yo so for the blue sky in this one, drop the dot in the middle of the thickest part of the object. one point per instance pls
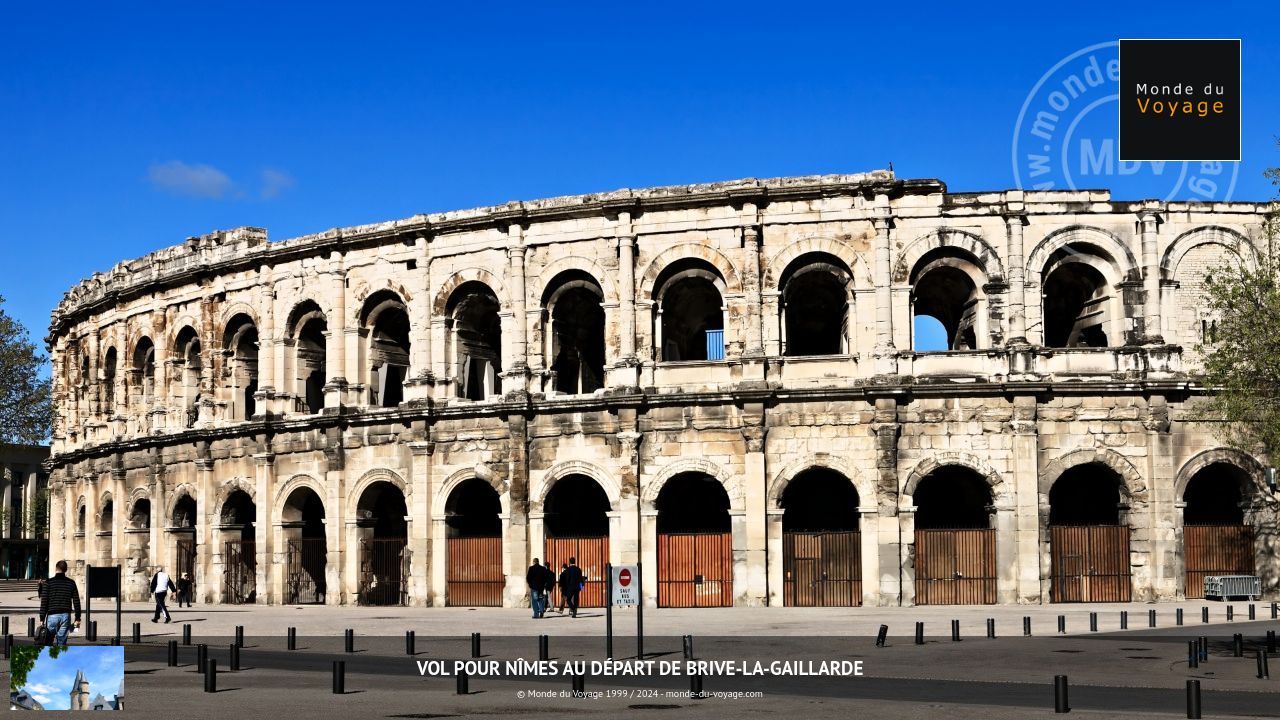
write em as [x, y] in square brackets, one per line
[125, 128]
[50, 680]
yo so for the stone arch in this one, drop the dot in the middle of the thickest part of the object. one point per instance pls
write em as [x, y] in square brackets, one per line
[1205, 235]
[560, 470]
[286, 489]
[458, 477]
[731, 483]
[866, 489]
[1001, 491]
[136, 495]
[465, 275]
[239, 307]
[363, 291]
[572, 262]
[1121, 255]
[301, 309]
[227, 488]
[982, 251]
[706, 253]
[176, 329]
[1132, 487]
[375, 475]
[816, 244]
[171, 503]
[1242, 460]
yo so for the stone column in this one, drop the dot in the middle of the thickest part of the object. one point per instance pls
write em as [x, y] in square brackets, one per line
[628, 540]
[1006, 524]
[627, 292]
[270, 357]
[517, 537]
[421, 556]
[751, 286]
[341, 569]
[338, 346]
[892, 535]
[869, 528]
[886, 360]
[57, 519]
[418, 384]
[517, 366]
[208, 555]
[1163, 519]
[158, 539]
[269, 578]
[6, 501]
[756, 480]
[91, 551]
[906, 554]
[773, 556]
[1149, 217]
[1016, 305]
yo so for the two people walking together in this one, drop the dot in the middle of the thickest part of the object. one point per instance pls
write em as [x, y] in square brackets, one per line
[542, 580]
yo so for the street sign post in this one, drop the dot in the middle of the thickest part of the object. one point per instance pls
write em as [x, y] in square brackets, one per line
[102, 582]
[625, 588]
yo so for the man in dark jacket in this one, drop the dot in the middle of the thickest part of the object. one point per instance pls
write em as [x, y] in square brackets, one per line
[537, 581]
[571, 582]
[60, 599]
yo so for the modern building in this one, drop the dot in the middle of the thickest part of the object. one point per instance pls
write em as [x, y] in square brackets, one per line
[24, 512]
[727, 382]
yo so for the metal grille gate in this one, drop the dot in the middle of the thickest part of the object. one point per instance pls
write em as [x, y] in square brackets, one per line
[305, 581]
[1090, 563]
[239, 570]
[185, 562]
[822, 569]
[956, 567]
[695, 570]
[474, 576]
[592, 553]
[384, 571]
[1216, 550]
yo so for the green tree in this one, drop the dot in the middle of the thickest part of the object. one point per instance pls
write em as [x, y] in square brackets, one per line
[23, 658]
[1242, 352]
[26, 410]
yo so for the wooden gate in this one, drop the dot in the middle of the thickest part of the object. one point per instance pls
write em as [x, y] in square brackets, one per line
[1090, 563]
[695, 570]
[185, 560]
[305, 581]
[956, 567]
[822, 569]
[474, 576]
[239, 571]
[1216, 550]
[384, 571]
[592, 553]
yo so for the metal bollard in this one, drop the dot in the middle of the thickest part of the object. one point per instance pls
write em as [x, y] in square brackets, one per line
[544, 647]
[1179, 614]
[1204, 649]
[1193, 698]
[475, 645]
[8, 645]
[173, 653]
[1253, 612]
[339, 677]
[880, 636]
[991, 627]
[1093, 622]
[293, 638]
[462, 684]
[695, 685]
[409, 639]
[579, 684]
[31, 627]
[239, 636]
[211, 676]
[955, 631]
[202, 657]
[137, 633]
[349, 644]
[1062, 624]
[92, 635]
[1231, 613]
[919, 633]
[1060, 704]
[1263, 671]
[1026, 625]
[1275, 610]
[1204, 614]
[1151, 618]
[234, 660]
[688, 647]
[1271, 642]
[1237, 645]
[1124, 619]
[186, 634]
[1193, 654]
[4, 625]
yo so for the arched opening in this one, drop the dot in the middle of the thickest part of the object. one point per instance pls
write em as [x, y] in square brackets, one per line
[240, 343]
[137, 534]
[140, 517]
[474, 575]
[1216, 539]
[106, 527]
[955, 553]
[303, 526]
[476, 332]
[109, 363]
[695, 543]
[821, 545]
[309, 332]
[183, 530]
[1088, 540]
[576, 518]
[188, 368]
[690, 306]
[142, 373]
[816, 306]
[239, 548]
[1078, 300]
[382, 530]
[385, 321]
[574, 328]
[945, 288]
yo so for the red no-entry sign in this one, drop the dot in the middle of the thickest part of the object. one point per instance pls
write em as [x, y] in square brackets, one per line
[624, 577]
[624, 589]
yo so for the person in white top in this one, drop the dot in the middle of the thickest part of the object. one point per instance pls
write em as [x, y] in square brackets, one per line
[161, 585]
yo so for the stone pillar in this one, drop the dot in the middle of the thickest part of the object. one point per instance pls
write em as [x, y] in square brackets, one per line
[1163, 517]
[628, 539]
[1025, 478]
[1016, 305]
[91, 551]
[418, 384]
[869, 528]
[756, 479]
[270, 355]
[421, 558]
[906, 554]
[158, 539]
[1149, 218]
[627, 293]
[57, 520]
[751, 286]
[208, 553]
[892, 535]
[517, 364]
[773, 554]
[886, 355]
[337, 344]
[6, 501]
[269, 578]
[517, 536]
[1006, 525]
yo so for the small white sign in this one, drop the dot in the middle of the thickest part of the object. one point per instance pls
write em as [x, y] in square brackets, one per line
[626, 582]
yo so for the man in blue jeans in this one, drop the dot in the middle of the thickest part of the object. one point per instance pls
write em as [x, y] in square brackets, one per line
[61, 598]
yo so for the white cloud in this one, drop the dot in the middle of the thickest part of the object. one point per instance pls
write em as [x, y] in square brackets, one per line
[42, 688]
[274, 182]
[198, 180]
[42, 699]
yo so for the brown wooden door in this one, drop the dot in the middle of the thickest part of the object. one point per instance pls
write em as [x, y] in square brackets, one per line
[1090, 563]
[474, 576]
[956, 567]
[384, 571]
[822, 569]
[1216, 550]
[695, 570]
[592, 554]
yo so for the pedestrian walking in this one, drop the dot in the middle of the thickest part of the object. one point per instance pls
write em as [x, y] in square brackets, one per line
[572, 580]
[161, 585]
[536, 579]
[563, 568]
[61, 598]
[185, 588]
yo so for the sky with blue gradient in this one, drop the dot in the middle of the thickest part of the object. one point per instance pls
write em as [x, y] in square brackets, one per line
[126, 127]
[49, 681]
